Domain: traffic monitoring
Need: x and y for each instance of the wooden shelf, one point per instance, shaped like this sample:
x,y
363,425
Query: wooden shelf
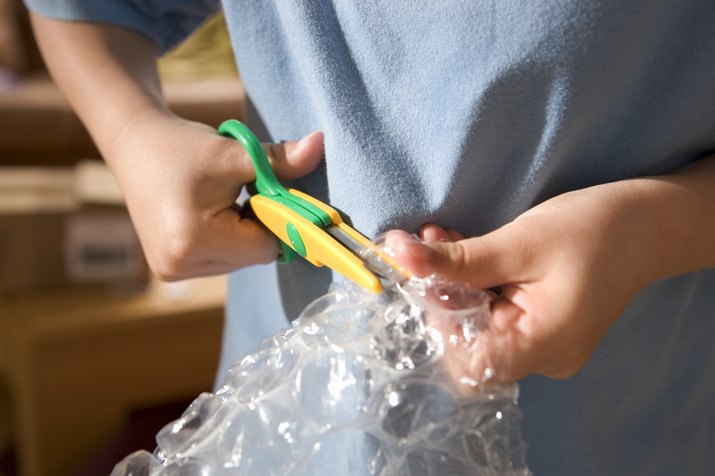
x,y
40,128
77,363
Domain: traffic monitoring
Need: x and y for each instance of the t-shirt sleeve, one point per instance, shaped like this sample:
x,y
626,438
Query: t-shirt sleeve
x,y
166,22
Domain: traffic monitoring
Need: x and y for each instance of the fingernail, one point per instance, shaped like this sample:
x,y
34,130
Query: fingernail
x,y
309,136
418,249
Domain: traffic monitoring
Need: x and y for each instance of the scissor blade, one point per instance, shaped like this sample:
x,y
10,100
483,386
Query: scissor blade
x,y
384,271
346,240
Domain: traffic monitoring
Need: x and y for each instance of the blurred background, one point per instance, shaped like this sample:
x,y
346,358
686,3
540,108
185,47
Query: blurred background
x,y
95,355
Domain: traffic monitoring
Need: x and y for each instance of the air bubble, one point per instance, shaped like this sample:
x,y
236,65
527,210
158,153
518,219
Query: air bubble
x,y
358,385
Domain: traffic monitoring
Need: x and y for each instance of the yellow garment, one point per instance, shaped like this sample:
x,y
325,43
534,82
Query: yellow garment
x,y
207,53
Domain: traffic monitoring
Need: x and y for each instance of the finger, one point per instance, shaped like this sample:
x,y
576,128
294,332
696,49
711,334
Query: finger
x,y
503,353
225,243
454,235
525,341
484,262
431,232
289,160
239,242
486,358
295,159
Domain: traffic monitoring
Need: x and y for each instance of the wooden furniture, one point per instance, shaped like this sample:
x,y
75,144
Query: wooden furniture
x,y
40,128
77,363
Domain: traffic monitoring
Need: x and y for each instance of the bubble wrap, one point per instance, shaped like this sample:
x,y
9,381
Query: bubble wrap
x,y
360,384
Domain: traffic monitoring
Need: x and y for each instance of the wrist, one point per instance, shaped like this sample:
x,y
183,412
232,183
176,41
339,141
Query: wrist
x,y
130,134
669,221
107,73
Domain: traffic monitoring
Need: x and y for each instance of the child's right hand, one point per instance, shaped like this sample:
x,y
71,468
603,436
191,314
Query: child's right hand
x,y
181,180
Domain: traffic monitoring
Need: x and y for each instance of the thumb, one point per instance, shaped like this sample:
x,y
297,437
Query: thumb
x,y
288,160
484,262
295,159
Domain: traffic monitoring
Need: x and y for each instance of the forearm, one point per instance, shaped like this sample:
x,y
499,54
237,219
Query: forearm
x,y
108,73
674,217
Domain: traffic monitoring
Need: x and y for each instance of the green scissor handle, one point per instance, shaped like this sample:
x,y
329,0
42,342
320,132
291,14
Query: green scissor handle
x,y
267,183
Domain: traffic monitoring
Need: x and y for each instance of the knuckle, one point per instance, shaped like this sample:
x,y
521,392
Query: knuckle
x,y
275,150
277,155
165,273
462,259
562,373
567,366
173,262
167,270
230,159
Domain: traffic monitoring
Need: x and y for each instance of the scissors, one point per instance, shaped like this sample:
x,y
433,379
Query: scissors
x,y
305,225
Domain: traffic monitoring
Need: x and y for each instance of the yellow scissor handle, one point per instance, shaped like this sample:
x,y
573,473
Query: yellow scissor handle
x,y
312,241
354,234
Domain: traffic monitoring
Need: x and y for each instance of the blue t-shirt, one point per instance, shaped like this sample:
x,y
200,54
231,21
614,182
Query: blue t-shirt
x,y
466,114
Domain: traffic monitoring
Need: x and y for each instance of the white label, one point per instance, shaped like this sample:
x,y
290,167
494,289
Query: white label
x,y
102,248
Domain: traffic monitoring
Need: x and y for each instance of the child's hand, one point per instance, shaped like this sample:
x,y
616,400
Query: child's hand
x,y
566,270
181,180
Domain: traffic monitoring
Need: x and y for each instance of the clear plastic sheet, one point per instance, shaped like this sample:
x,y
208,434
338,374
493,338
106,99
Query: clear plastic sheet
x,y
358,385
